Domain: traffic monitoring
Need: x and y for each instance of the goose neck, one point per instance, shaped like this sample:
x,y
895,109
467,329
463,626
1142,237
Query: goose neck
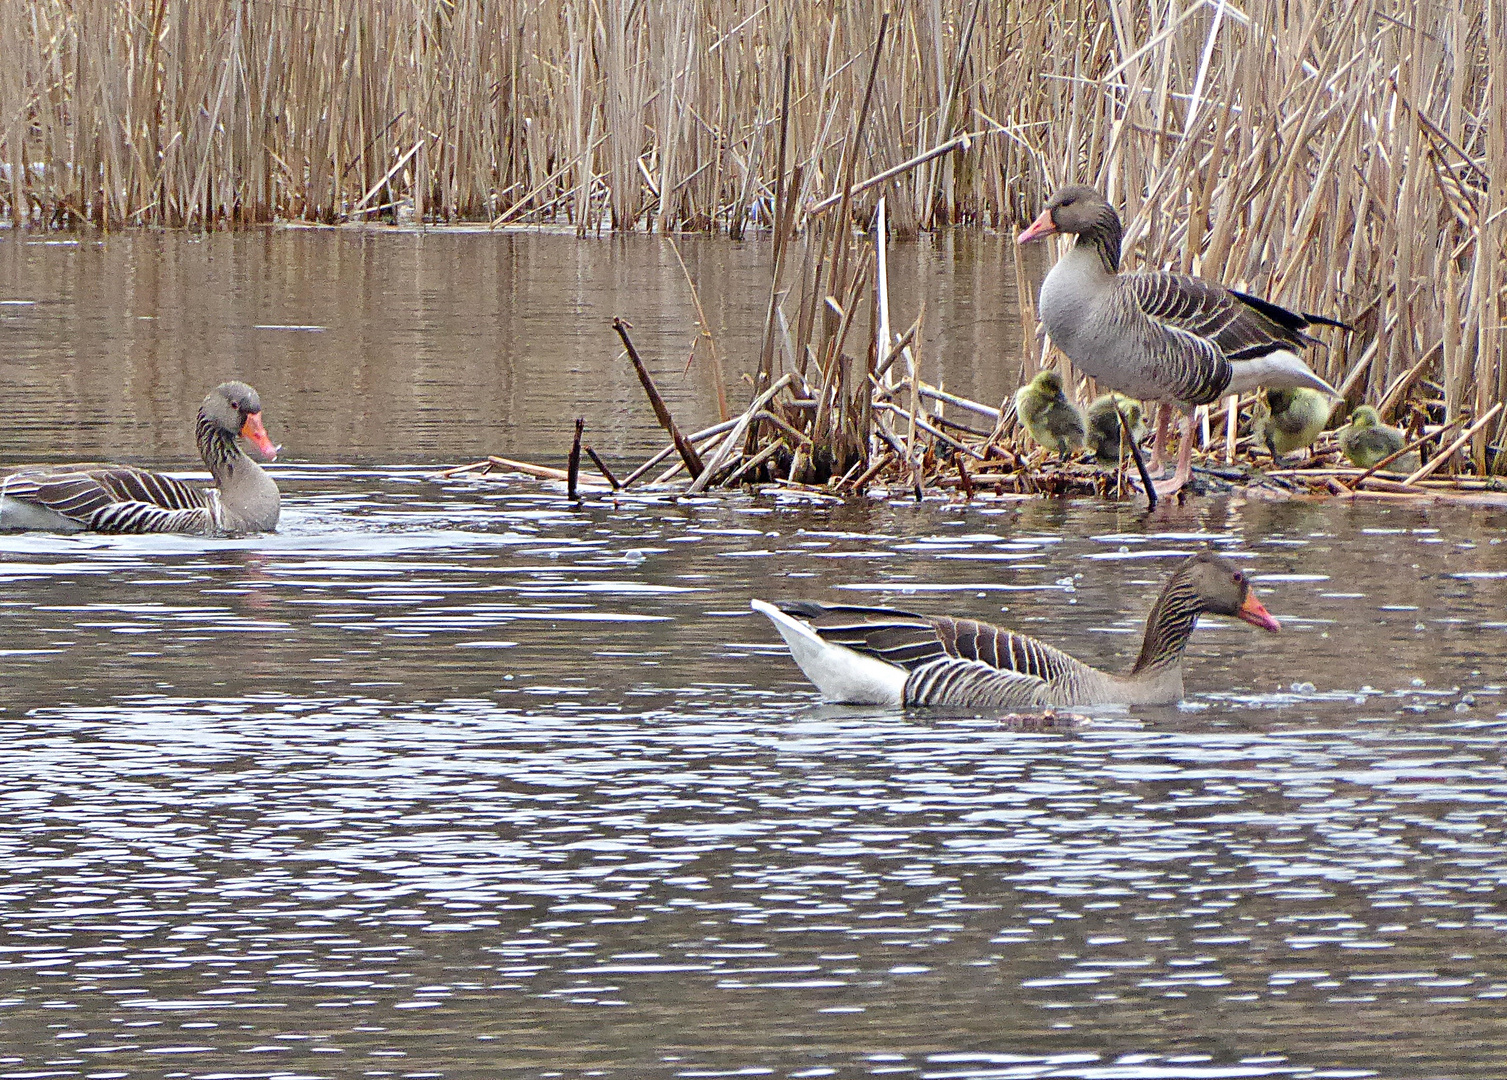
x,y
218,448
1103,239
1168,628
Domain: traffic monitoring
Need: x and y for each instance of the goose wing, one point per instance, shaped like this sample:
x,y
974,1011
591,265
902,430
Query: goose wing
x,y
902,638
911,641
117,499
1242,326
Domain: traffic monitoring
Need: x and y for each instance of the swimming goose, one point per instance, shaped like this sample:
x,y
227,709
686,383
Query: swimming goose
x,y
1048,415
121,499
1103,419
1289,420
880,656
1365,440
1158,336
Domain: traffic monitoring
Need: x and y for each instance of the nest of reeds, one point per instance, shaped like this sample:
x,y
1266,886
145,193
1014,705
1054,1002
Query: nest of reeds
x,y
921,440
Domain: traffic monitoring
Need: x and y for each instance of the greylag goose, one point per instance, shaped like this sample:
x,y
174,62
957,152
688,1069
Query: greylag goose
x,y
1158,336
1288,420
1365,440
1103,434
121,499
1048,415
880,656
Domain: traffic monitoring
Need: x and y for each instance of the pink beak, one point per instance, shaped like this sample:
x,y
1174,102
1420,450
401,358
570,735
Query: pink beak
x,y
1042,226
1253,612
252,429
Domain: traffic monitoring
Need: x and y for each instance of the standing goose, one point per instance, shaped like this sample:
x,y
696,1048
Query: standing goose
x,y
880,656
1158,336
121,499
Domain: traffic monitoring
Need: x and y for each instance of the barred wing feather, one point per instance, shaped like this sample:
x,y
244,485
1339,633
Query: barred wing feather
x,y
1001,649
973,684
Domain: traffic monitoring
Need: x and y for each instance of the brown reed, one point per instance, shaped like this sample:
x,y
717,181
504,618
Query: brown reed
x,y
1341,156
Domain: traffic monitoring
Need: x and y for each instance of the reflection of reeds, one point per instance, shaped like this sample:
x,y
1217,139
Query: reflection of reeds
x,y
1340,155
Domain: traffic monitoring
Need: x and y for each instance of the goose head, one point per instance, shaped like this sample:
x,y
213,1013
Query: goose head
x,y
233,408
1047,385
1363,417
1076,210
1221,588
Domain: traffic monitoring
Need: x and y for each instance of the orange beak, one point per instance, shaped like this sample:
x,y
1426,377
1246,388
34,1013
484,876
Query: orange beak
x,y
1254,613
1042,226
252,429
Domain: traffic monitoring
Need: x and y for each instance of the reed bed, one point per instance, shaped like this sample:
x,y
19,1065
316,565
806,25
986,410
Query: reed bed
x,y
1340,156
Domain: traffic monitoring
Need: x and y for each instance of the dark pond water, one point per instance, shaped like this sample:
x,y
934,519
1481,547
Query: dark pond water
x,y
454,778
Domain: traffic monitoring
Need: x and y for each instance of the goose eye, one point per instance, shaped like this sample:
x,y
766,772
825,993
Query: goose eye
x,y
1238,578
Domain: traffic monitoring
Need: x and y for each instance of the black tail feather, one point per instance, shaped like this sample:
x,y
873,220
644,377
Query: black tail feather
x,y
1296,321
1325,320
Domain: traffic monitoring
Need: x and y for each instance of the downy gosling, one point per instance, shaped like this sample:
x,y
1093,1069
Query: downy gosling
x,y
1289,420
1048,415
1103,435
1365,440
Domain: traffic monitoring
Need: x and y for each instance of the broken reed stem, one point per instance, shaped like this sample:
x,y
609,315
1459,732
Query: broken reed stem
x,y
683,445
700,436
1444,455
699,483
602,467
573,463
1408,449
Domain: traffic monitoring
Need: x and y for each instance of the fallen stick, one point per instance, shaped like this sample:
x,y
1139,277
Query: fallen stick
x,y
927,427
541,472
390,174
661,410
1140,462
461,470
779,422
754,462
873,471
905,166
961,402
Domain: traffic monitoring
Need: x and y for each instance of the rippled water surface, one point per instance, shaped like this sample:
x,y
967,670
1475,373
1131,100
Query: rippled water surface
x,y
456,778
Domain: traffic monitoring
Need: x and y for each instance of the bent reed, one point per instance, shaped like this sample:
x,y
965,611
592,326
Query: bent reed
x,y
1334,155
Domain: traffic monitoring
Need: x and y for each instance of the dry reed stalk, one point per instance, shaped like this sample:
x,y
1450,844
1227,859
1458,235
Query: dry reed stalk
x,y
1344,156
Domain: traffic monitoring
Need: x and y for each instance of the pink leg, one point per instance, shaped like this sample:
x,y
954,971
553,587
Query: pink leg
x,y
1184,461
1159,444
